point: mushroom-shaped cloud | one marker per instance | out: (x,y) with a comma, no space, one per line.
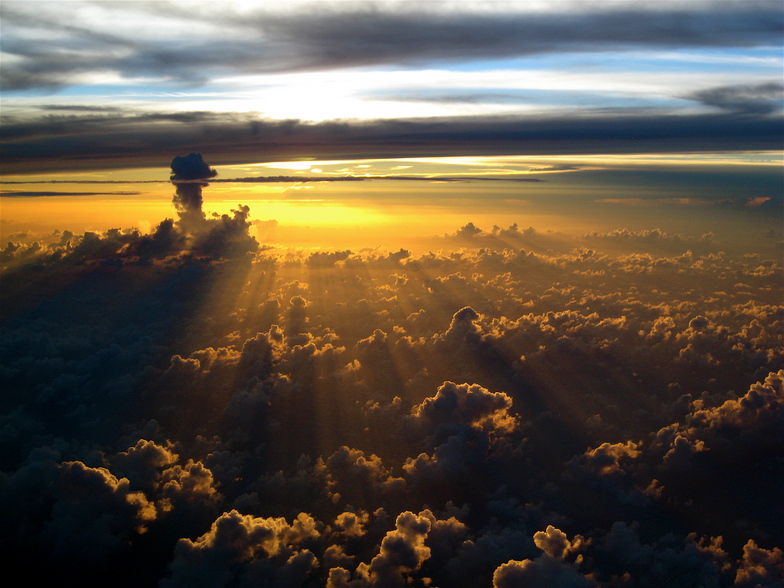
(191,167)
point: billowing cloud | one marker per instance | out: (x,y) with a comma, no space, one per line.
(455,405)
(540,573)
(188,175)
(191,167)
(233,538)
(514,406)
(760,567)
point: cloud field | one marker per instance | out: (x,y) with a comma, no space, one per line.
(190,407)
(577,383)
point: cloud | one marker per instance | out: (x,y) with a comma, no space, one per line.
(604,460)
(133,141)
(540,573)
(191,167)
(447,417)
(756,99)
(761,406)
(456,405)
(760,567)
(555,543)
(188,175)
(234,538)
(402,551)
(306,37)
(164,240)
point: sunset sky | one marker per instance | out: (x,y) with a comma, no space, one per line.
(383,294)
(572,104)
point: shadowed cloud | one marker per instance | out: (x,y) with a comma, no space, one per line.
(232,138)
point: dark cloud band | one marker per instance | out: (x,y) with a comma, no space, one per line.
(115,142)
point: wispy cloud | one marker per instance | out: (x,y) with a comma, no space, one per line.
(55,45)
(122,84)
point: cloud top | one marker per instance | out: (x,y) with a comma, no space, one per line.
(191,167)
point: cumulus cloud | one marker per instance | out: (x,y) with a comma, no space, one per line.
(543,572)
(762,406)
(605,459)
(188,175)
(760,567)
(402,551)
(457,418)
(234,538)
(555,543)
(191,167)
(457,405)
(94,513)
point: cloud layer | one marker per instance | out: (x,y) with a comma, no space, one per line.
(188,408)
(264,83)
(131,141)
(309,36)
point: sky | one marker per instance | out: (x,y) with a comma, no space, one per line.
(384,294)
(332,80)
(602,102)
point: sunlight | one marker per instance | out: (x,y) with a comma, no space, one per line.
(392,293)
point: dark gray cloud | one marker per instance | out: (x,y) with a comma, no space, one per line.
(41,144)
(191,167)
(189,175)
(315,36)
(218,237)
(756,99)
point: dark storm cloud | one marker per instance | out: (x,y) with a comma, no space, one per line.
(218,237)
(312,36)
(191,167)
(133,141)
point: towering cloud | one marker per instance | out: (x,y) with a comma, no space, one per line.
(191,167)
(189,175)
